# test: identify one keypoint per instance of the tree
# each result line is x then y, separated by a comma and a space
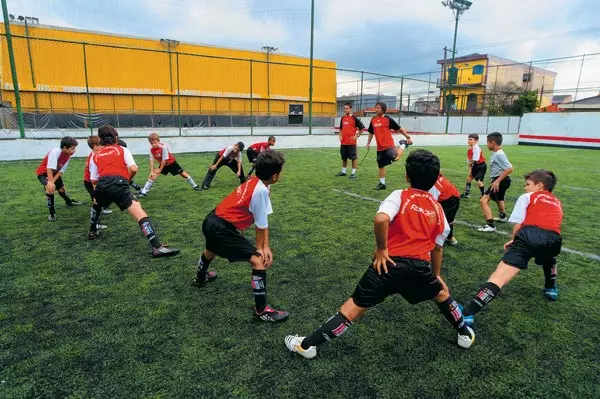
501, 99
526, 102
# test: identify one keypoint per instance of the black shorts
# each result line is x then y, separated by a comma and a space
533, 242
386, 157
252, 154
58, 183
89, 187
225, 240
499, 195
174, 169
450, 207
113, 189
410, 278
348, 152
478, 171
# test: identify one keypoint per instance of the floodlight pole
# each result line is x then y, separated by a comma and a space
13, 68
269, 50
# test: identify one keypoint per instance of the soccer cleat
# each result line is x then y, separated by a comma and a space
551, 293
452, 241
294, 342
52, 218
270, 315
380, 186
92, 235
74, 203
340, 174
353, 176
196, 188
465, 341
141, 195
204, 187
106, 211
164, 251
403, 144
135, 185
487, 229
101, 226
501, 220
208, 277
465, 196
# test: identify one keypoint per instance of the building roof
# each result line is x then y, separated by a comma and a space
497, 61
584, 103
561, 97
470, 57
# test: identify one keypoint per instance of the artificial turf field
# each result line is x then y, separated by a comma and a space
102, 319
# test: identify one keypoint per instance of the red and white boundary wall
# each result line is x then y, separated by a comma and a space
564, 129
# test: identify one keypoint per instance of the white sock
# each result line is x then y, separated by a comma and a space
353, 171
343, 170
191, 181
147, 186
382, 180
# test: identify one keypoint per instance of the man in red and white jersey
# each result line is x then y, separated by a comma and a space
350, 130
249, 204
256, 149
449, 198
477, 166
538, 217
50, 171
167, 163
381, 127
410, 230
231, 157
111, 169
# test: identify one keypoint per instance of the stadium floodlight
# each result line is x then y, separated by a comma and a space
458, 7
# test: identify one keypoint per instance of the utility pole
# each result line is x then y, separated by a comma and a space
444, 80
13, 68
269, 50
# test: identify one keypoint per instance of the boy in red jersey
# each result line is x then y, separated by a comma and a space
248, 204
381, 127
477, 166
231, 157
111, 170
166, 164
538, 217
256, 149
50, 172
350, 130
448, 196
410, 229
94, 144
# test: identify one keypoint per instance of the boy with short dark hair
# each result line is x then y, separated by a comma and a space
538, 217
410, 230
350, 130
448, 196
255, 149
231, 157
381, 128
111, 169
249, 203
50, 171
161, 153
477, 166
94, 144
500, 169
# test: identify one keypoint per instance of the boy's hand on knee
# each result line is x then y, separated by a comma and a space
508, 244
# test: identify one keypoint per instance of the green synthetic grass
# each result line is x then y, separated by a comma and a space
102, 319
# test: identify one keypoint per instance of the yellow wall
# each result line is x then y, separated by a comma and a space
123, 79
466, 77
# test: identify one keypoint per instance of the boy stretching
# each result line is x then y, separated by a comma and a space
167, 163
538, 217
410, 229
448, 196
249, 203
255, 149
231, 157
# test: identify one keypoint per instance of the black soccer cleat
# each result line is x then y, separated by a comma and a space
340, 174
403, 144
52, 218
135, 185
204, 187
196, 188
465, 196
164, 251
92, 235
381, 186
208, 277
74, 203
270, 315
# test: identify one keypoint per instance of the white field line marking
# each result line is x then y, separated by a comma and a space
463, 223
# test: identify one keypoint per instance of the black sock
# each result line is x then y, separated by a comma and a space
335, 326
482, 189
484, 296
203, 264
449, 308
451, 234
65, 196
550, 272
50, 202
490, 222
502, 215
95, 213
148, 232
468, 188
259, 286
251, 170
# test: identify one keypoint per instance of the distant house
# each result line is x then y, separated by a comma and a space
590, 104
567, 98
365, 101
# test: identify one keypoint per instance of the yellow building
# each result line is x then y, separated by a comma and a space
477, 75
57, 68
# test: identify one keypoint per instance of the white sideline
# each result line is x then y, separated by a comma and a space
463, 223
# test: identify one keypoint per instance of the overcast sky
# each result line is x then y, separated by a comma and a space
386, 36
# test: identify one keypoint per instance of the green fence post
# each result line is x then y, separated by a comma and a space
87, 91
310, 86
251, 101
178, 93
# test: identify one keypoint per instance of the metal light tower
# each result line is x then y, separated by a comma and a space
458, 7
269, 50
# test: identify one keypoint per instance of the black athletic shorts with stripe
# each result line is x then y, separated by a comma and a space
174, 169
478, 171
225, 240
533, 242
113, 189
411, 278
501, 193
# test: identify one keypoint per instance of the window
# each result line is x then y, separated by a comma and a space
478, 70
526, 77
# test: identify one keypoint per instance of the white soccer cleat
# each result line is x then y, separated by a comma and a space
101, 226
106, 211
487, 229
464, 341
501, 220
293, 343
